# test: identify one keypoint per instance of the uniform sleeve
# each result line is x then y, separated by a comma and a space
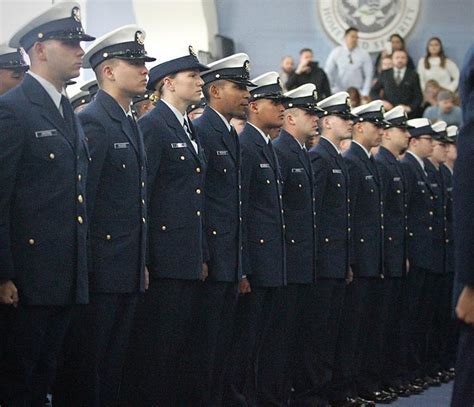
97, 143
11, 150
247, 171
354, 190
320, 173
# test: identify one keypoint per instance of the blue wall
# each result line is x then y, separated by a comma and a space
270, 29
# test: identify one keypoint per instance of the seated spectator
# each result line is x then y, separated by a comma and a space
399, 86
286, 69
446, 110
385, 63
308, 71
430, 94
350, 65
396, 43
435, 65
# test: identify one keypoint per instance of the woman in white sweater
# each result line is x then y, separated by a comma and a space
435, 65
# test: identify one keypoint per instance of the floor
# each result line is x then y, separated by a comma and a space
433, 397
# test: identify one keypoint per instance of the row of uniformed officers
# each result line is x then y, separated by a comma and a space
274, 276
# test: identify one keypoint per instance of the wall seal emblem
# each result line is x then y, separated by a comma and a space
375, 19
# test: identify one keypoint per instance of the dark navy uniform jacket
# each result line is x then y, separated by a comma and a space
420, 214
299, 204
368, 213
263, 211
116, 188
448, 184
222, 191
176, 175
395, 213
43, 223
331, 180
436, 180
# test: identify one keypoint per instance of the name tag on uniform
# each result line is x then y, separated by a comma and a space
434, 185
46, 133
422, 183
450, 189
336, 171
297, 170
397, 179
367, 177
264, 165
119, 146
222, 152
178, 145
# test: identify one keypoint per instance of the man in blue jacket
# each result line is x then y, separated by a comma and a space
225, 90
299, 202
43, 223
262, 318
463, 394
420, 201
116, 188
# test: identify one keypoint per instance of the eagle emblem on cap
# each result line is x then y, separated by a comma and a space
140, 37
247, 66
315, 94
192, 51
348, 101
76, 14
382, 109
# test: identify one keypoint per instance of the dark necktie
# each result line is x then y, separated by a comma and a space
398, 77
187, 129
68, 114
133, 125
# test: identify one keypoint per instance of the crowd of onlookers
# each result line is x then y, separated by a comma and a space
426, 89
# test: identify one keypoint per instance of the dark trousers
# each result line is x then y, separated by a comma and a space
214, 317
94, 352
372, 328
448, 352
34, 337
160, 342
463, 392
391, 311
412, 301
316, 345
428, 326
261, 326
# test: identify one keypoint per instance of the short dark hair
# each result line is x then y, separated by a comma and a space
207, 86
400, 50
350, 29
305, 50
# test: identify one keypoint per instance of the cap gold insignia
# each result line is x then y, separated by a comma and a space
140, 37
315, 94
192, 51
348, 101
382, 109
247, 66
76, 14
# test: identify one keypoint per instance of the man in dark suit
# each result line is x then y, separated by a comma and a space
323, 317
394, 143
43, 224
420, 200
177, 249
463, 394
399, 85
262, 316
367, 251
299, 201
225, 89
99, 335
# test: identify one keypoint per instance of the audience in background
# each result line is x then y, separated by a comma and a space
430, 94
399, 86
354, 94
350, 65
396, 42
308, 71
435, 65
445, 110
286, 68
